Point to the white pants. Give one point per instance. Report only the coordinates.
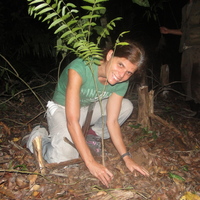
(55, 149)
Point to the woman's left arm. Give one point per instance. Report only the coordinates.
(116, 135)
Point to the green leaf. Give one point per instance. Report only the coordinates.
(71, 5)
(144, 3)
(90, 8)
(79, 35)
(41, 6)
(175, 176)
(109, 27)
(71, 40)
(99, 8)
(185, 168)
(66, 16)
(54, 6)
(89, 24)
(57, 21)
(23, 167)
(90, 1)
(63, 10)
(100, 1)
(44, 10)
(50, 16)
(71, 22)
(122, 43)
(58, 6)
(35, 2)
(76, 29)
(135, 126)
(74, 11)
(65, 34)
(90, 16)
(61, 28)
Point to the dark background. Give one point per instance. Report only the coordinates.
(29, 45)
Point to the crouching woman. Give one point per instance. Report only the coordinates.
(79, 86)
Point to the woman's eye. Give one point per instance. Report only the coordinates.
(129, 73)
(120, 64)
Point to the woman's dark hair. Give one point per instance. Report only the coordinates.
(132, 51)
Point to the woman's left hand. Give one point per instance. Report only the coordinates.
(132, 166)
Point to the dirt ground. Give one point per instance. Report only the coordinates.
(169, 151)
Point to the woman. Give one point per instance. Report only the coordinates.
(80, 85)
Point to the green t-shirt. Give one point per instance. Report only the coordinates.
(88, 92)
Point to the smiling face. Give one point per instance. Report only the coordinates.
(118, 69)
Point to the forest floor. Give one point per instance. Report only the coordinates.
(170, 151)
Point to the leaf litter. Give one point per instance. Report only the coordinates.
(172, 159)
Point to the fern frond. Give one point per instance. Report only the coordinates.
(72, 29)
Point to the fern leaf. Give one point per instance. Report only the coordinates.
(66, 16)
(71, 40)
(58, 6)
(57, 21)
(90, 16)
(76, 29)
(50, 16)
(65, 34)
(41, 6)
(95, 1)
(100, 1)
(44, 10)
(90, 8)
(35, 2)
(54, 6)
(109, 27)
(61, 28)
(71, 22)
(79, 35)
(90, 1)
(99, 8)
(89, 24)
(71, 5)
(74, 11)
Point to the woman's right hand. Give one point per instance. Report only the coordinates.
(100, 172)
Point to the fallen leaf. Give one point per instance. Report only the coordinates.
(175, 176)
(21, 181)
(35, 188)
(190, 196)
(6, 128)
(32, 178)
(101, 193)
(35, 193)
(15, 139)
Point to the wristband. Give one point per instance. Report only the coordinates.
(126, 154)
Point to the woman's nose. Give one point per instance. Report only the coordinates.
(122, 73)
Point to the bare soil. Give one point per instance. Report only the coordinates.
(171, 154)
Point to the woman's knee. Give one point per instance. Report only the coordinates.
(127, 106)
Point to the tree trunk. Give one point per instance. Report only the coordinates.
(145, 106)
(164, 78)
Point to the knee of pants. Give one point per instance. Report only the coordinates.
(127, 107)
(60, 151)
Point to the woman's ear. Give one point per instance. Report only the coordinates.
(109, 55)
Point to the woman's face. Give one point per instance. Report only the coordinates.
(118, 69)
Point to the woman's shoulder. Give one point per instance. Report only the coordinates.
(77, 61)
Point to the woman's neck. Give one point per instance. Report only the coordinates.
(102, 73)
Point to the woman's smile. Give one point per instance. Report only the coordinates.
(115, 77)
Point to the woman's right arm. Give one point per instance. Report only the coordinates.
(73, 115)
